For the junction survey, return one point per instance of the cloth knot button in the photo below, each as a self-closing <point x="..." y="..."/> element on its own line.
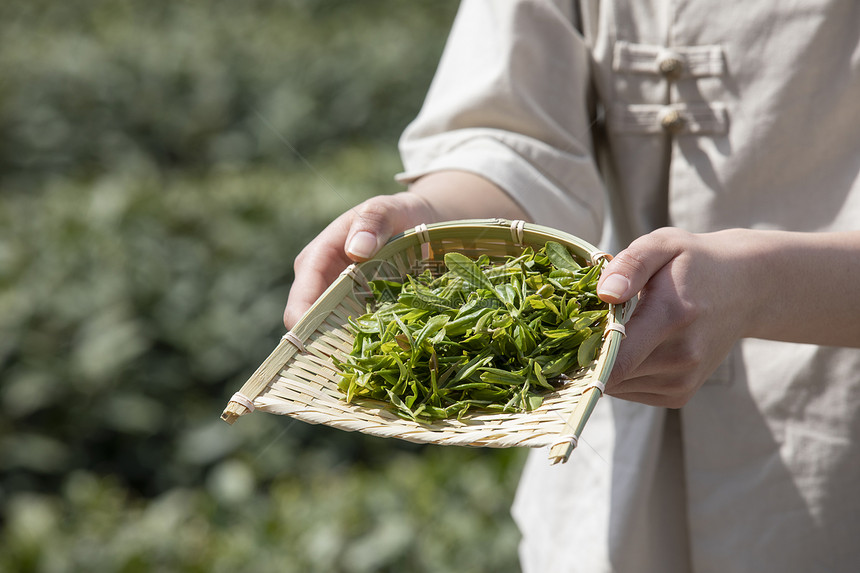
<point x="672" y="121"/>
<point x="671" y="67"/>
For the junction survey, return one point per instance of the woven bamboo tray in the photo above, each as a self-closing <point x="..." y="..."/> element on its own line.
<point x="299" y="379"/>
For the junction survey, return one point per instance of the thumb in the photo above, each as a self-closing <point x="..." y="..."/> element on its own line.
<point x="355" y="236"/>
<point x="373" y="222"/>
<point x="632" y="268"/>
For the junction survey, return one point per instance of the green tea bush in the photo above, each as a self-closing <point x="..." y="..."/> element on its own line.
<point x="156" y="187"/>
<point x="132" y="306"/>
<point x="438" y="512"/>
<point x="89" y="86"/>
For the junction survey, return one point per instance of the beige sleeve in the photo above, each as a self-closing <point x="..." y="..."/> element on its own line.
<point x="509" y="102"/>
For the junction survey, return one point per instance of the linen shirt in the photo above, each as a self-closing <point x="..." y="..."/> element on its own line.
<point x="611" y="119"/>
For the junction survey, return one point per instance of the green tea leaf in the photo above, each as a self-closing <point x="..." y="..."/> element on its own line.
<point x="560" y="257"/>
<point x="588" y="349"/>
<point x="477" y="336"/>
<point x="590" y="277"/>
<point x="497" y="376"/>
<point x="466" y="269"/>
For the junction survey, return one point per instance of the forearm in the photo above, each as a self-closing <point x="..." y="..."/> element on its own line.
<point x="453" y="195"/>
<point x="805" y="287"/>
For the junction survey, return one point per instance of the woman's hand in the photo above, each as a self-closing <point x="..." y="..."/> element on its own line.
<point x="359" y="233"/>
<point x="699" y="294"/>
<point x="355" y="236"/>
<point x="692" y="309"/>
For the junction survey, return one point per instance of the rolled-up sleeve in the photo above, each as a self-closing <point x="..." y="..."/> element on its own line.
<point x="509" y="102"/>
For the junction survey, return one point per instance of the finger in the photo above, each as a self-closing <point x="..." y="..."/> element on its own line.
<point x="651" y="399"/>
<point x="374" y="222"/>
<point x="632" y="268"/>
<point x="318" y="266"/>
<point x="674" y="356"/>
<point x="354" y="236"/>
<point x="654" y="323"/>
<point x="662" y="383"/>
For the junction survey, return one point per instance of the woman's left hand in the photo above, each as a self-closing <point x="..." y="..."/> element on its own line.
<point x="694" y="304"/>
<point x="700" y="293"/>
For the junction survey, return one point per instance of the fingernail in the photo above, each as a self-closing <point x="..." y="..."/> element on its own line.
<point x="614" y="286"/>
<point x="362" y="245"/>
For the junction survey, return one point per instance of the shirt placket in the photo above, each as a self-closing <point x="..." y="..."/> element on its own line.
<point x="676" y="116"/>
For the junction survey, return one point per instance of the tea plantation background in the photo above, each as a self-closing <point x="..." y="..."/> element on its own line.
<point x="152" y="199"/>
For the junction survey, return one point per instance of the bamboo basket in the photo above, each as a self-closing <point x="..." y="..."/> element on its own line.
<point x="299" y="379"/>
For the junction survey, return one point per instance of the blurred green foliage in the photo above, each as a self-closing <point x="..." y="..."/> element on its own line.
<point x="153" y="200"/>
<point x="101" y="85"/>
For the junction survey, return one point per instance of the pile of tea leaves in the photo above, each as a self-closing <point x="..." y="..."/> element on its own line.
<point x="494" y="337"/>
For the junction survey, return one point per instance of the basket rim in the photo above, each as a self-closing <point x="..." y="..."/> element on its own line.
<point x="495" y="224"/>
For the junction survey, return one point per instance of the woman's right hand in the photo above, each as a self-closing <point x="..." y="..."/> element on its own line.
<point x="355" y="236"/>
<point x="359" y="233"/>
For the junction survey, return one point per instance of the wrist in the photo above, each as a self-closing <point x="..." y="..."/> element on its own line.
<point x="761" y="270"/>
<point x="452" y="195"/>
<point x="803" y="287"/>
